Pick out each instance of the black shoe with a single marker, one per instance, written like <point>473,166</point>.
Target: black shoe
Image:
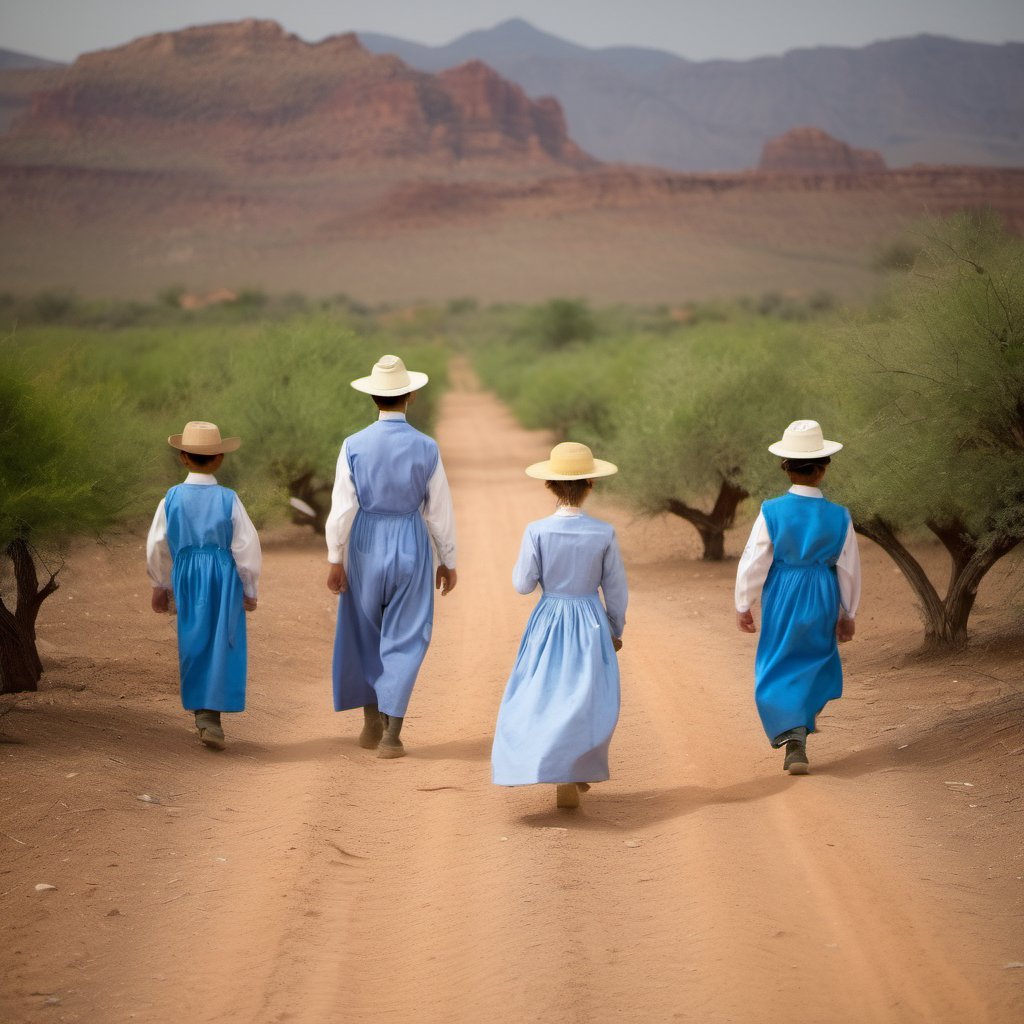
<point>796,758</point>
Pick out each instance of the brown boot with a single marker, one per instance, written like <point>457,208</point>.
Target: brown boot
<point>796,758</point>
<point>373,727</point>
<point>391,744</point>
<point>567,794</point>
<point>210,732</point>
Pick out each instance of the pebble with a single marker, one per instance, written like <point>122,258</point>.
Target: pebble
<point>1013,965</point>
<point>147,799</point>
<point>45,887</point>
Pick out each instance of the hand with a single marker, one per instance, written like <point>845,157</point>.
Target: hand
<point>445,580</point>
<point>617,643</point>
<point>160,600</point>
<point>845,629</point>
<point>249,604</point>
<point>337,581</point>
<point>745,622</point>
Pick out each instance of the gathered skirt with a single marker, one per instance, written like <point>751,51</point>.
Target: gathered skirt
<point>797,669</point>
<point>211,629</point>
<point>561,702</point>
<point>386,615</point>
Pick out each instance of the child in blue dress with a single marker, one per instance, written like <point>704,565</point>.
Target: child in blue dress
<point>802,561</point>
<point>390,510</point>
<point>203,547</point>
<point>561,703</point>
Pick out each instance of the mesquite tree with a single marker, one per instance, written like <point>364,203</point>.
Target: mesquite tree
<point>934,402</point>
<point>64,469</point>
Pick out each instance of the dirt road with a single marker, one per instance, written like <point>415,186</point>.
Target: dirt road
<point>297,878</point>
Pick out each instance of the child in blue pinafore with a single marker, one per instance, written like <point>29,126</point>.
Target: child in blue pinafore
<point>561,702</point>
<point>802,561</point>
<point>390,502</point>
<point>203,547</point>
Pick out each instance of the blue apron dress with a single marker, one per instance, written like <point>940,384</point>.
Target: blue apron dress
<point>561,703</point>
<point>208,593</point>
<point>797,669</point>
<point>386,615</point>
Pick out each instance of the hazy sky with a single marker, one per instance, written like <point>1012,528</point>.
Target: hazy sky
<point>697,29</point>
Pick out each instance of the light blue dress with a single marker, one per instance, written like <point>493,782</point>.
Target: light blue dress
<point>797,668</point>
<point>208,594</point>
<point>561,702</point>
<point>386,615</point>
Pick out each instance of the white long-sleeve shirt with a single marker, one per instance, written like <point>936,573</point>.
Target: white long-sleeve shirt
<point>758,555</point>
<point>245,544</point>
<point>437,509</point>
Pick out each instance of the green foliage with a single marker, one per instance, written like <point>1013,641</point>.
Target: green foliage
<point>899,254</point>
<point>933,387</point>
<point>561,321</point>
<point>68,457</point>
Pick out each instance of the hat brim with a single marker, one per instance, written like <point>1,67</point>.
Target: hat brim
<point>365,384</point>
<point>542,471</point>
<point>828,448</point>
<point>227,444</point>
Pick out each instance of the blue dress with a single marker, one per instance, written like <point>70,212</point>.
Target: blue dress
<point>561,702</point>
<point>208,593</point>
<point>386,615</point>
<point>797,668</point>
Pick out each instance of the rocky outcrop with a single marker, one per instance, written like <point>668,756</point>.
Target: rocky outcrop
<point>250,96</point>
<point>809,150</point>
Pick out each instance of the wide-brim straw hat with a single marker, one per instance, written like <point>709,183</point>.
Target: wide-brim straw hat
<point>803,440</point>
<point>389,378</point>
<point>201,438</point>
<point>571,460</point>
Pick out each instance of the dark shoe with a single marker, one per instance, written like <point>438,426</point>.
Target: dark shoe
<point>210,732</point>
<point>567,795</point>
<point>796,758</point>
<point>373,728</point>
<point>390,746</point>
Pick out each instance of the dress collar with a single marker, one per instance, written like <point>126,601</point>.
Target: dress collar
<point>806,492</point>
<point>200,478</point>
<point>391,416</point>
<point>568,511</point>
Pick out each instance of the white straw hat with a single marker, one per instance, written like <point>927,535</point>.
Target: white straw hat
<point>571,460</point>
<point>389,378</point>
<point>201,438</point>
<point>803,440</point>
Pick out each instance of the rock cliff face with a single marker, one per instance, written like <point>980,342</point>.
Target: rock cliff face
<point>252,96</point>
<point>808,150</point>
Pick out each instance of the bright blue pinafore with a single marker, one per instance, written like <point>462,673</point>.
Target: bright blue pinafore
<point>561,702</point>
<point>797,668</point>
<point>386,615</point>
<point>208,594</point>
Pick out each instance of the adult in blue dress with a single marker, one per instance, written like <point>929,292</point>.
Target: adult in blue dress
<point>561,702</point>
<point>203,547</point>
<point>390,502</point>
<point>802,561</point>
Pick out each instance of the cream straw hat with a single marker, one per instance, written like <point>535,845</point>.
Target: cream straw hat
<point>571,460</point>
<point>201,438</point>
<point>803,440</point>
<point>389,378</point>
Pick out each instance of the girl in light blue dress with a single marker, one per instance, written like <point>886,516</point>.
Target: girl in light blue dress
<point>802,561</point>
<point>561,702</point>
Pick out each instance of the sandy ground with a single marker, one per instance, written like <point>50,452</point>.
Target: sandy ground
<point>298,878</point>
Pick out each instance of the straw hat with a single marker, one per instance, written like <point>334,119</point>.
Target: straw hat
<point>803,440</point>
<point>201,438</point>
<point>389,378</point>
<point>571,460</point>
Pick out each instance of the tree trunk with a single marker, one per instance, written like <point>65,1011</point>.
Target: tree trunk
<point>711,525</point>
<point>315,493</point>
<point>20,667</point>
<point>945,619</point>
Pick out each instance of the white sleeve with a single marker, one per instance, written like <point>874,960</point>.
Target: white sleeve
<point>439,515</point>
<point>344,505</point>
<point>158,554</point>
<point>848,574</point>
<point>755,562</point>
<point>245,549</point>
